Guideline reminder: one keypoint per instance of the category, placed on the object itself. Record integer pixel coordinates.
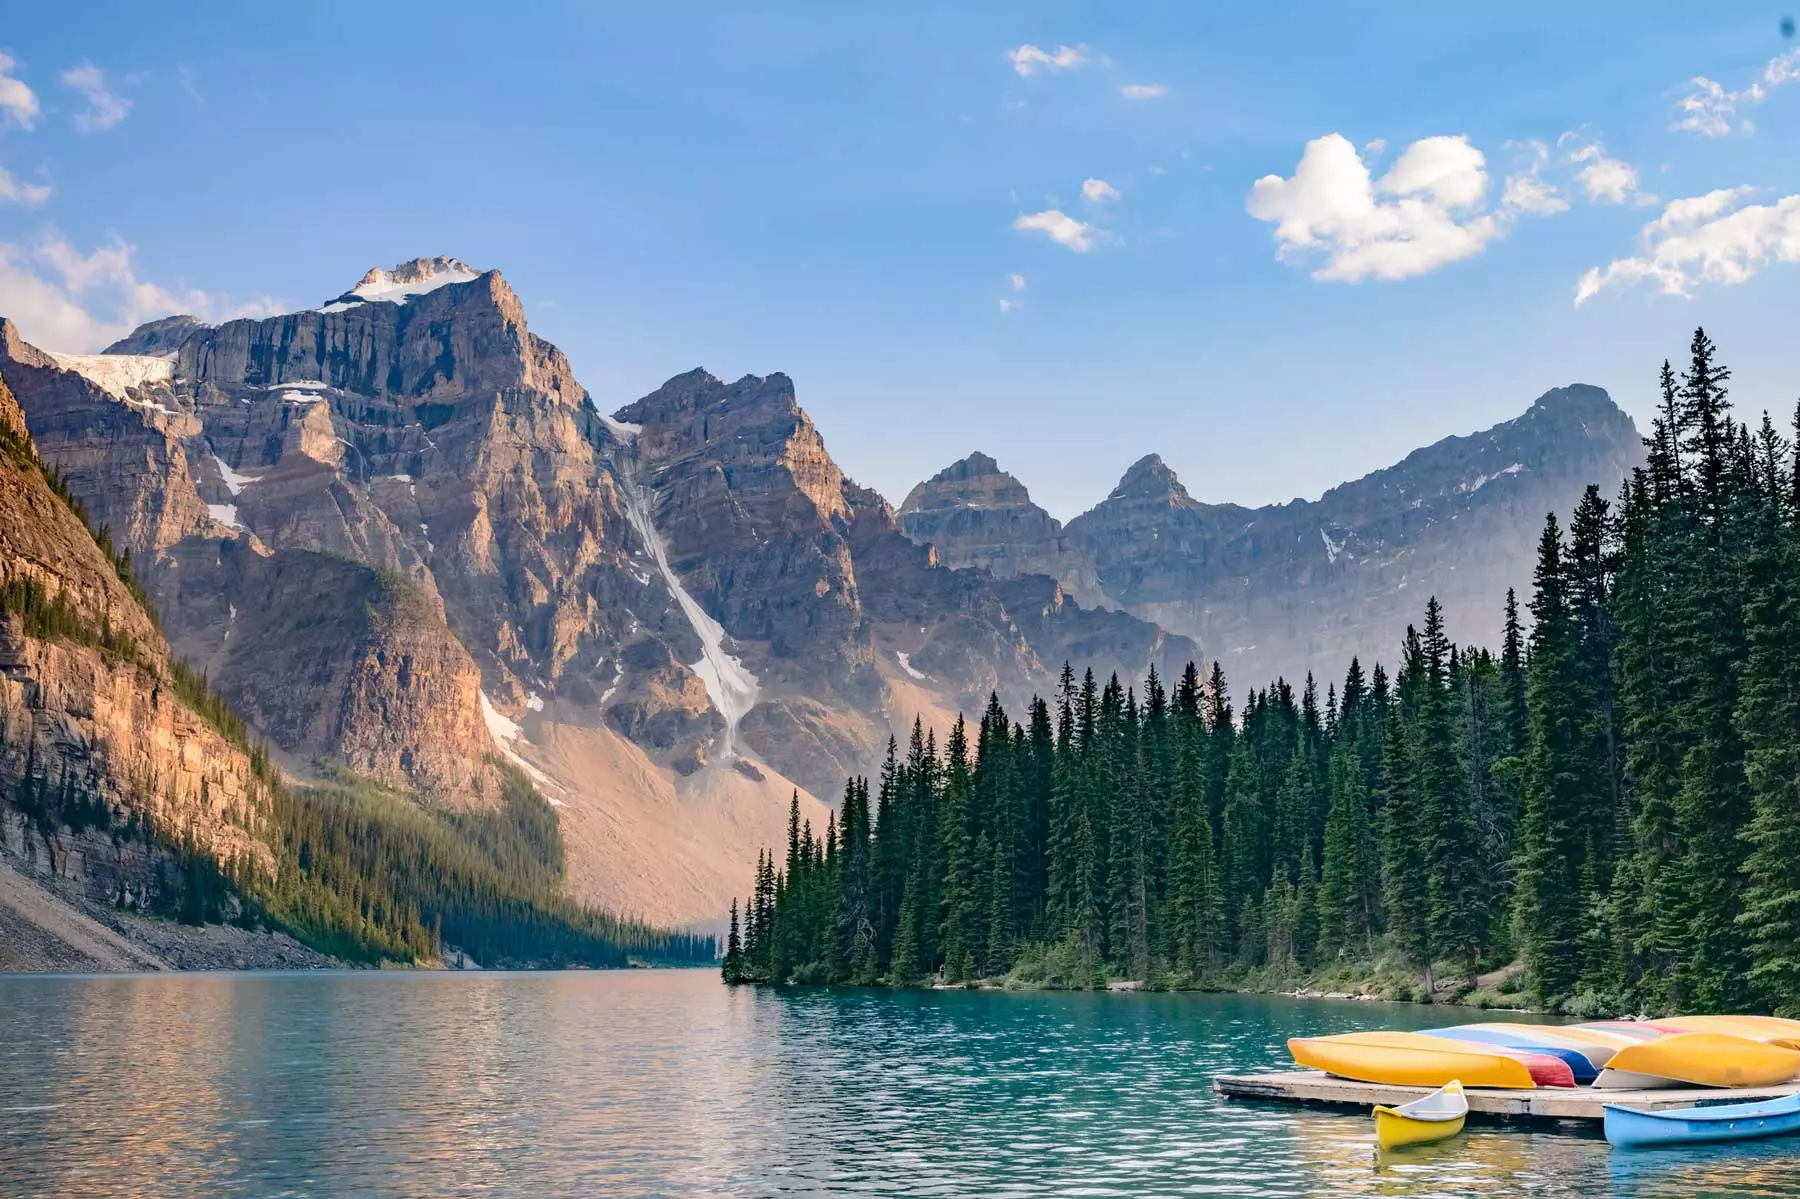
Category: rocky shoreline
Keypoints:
(49, 924)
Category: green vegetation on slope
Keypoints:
(366, 874)
(1614, 798)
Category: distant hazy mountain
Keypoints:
(1283, 589)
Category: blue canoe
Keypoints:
(1692, 1125)
(1583, 1069)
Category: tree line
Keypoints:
(1612, 799)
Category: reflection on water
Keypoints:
(664, 1083)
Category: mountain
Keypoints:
(402, 538)
(1283, 589)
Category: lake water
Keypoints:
(667, 1083)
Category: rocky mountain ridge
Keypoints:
(1283, 589)
(402, 537)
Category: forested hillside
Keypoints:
(1612, 798)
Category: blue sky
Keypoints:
(846, 193)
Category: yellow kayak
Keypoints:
(1706, 1059)
(1433, 1117)
(1408, 1059)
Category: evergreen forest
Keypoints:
(1600, 814)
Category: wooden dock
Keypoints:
(1539, 1103)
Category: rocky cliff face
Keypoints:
(88, 711)
(1279, 590)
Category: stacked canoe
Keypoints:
(1705, 1051)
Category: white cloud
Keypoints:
(1027, 59)
(1607, 180)
(1098, 190)
(104, 109)
(18, 104)
(1709, 110)
(28, 194)
(1143, 91)
(1714, 238)
(1018, 282)
(65, 300)
(1060, 228)
(1526, 191)
(1429, 210)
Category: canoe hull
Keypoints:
(1406, 1059)
(1393, 1130)
(1629, 1127)
(1709, 1059)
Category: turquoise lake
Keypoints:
(667, 1083)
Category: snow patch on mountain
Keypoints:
(505, 733)
(234, 482)
(730, 688)
(118, 374)
(1480, 481)
(409, 279)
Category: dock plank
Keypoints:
(1540, 1103)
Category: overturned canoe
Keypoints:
(1581, 1066)
(1414, 1060)
(1772, 1029)
(1705, 1059)
(1433, 1117)
(1628, 1126)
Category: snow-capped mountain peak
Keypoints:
(404, 281)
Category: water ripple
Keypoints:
(666, 1083)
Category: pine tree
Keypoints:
(1547, 897)
(1769, 714)
(1452, 847)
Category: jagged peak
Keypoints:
(404, 281)
(1149, 477)
(976, 466)
(1578, 399)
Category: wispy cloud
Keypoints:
(1526, 190)
(1711, 111)
(1714, 238)
(1429, 210)
(1143, 91)
(1060, 228)
(1028, 59)
(18, 103)
(1098, 191)
(104, 108)
(64, 299)
(28, 194)
(1607, 180)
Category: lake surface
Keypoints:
(667, 1083)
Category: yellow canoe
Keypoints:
(1408, 1059)
(1706, 1059)
(1772, 1029)
(1433, 1117)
